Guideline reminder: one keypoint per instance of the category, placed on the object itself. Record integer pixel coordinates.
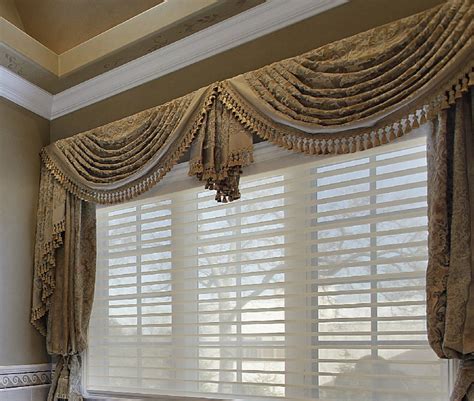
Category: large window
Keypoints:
(311, 287)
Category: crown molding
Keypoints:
(22, 92)
(249, 25)
(232, 32)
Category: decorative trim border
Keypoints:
(249, 25)
(24, 93)
(24, 375)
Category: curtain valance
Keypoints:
(347, 96)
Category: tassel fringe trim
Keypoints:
(400, 123)
(44, 270)
(225, 181)
(134, 189)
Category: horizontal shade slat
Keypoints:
(395, 189)
(373, 164)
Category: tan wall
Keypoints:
(346, 20)
(22, 134)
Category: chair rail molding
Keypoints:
(24, 375)
(232, 32)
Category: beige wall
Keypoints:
(22, 134)
(346, 20)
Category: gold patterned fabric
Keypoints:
(350, 95)
(121, 160)
(50, 226)
(220, 150)
(364, 76)
(71, 301)
(450, 274)
(362, 91)
(347, 96)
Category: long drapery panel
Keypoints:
(450, 295)
(50, 226)
(71, 303)
(347, 96)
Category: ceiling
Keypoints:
(62, 24)
(57, 44)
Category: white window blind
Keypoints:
(311, 287)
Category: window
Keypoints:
(311, 287)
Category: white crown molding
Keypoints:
(24, 93)
(249, 25)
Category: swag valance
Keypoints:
(351, 95)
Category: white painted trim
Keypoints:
(23, 388)
(21, 376)
(249, 25)
(24, 93)
(42, 367)
(453, 366)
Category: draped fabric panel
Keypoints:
(368, 75)
(350, 95)
(219, 151)
(71, 302)
(347, 96)
(450, 274)
(361, 91)
(123, 159)
(50, 226)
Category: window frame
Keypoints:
(268, 157)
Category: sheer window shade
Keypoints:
(311, 287)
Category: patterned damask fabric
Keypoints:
(362, 91)
(221, 148)
(70, 305)
(348, 96)
(449, 280)
(50, 226)
(122, 159)
(366, 75)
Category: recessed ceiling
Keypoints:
(62, 24)
(57, 44)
